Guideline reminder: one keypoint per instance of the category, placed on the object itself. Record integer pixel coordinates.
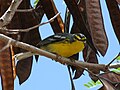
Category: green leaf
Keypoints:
(118, 58)
(86, 85)
(116, 70)
(35, 3)
(98, 82)
(91, 84)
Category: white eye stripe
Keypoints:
(58, 36)
(81, 35)
(63, 37)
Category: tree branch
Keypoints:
(57, 58)
(113, 60)
(25, 10)
(116, 65)
(5, 47)
(15, 31)
(8, 15)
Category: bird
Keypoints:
(65, 45)
(62, 44)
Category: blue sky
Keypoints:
(50, 75)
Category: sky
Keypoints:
(50, 75)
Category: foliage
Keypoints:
(116, 70)
(91, 84)
(87, 19)
(118, 58)
(36, 2)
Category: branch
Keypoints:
(57, 58)
(25, 10)
(113, 60)
(5, 47)
(15, 31)
(116, 65)
(21, 56)
(8, 15)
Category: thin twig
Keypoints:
(31, 28)
(115, 65)
(25, 10)
(89, 71)
(6, 46)
(112, 60)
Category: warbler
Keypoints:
(63, 44)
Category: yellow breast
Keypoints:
(65, 49)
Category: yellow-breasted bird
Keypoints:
(63, 44)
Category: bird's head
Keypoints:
(80, 37)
